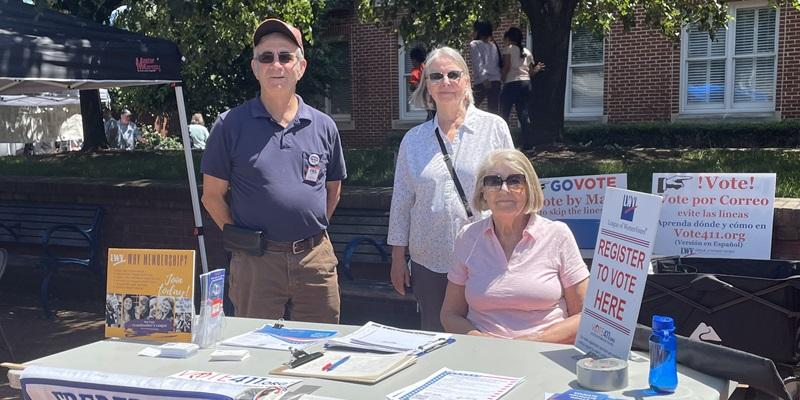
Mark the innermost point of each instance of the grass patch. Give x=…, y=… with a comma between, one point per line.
x=375, y=167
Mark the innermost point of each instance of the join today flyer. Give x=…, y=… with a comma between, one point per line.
x=149, y=294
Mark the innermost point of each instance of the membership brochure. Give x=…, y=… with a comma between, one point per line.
x=150, y=294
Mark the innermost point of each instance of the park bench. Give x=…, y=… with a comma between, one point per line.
x=359, y=238
x=54, y=235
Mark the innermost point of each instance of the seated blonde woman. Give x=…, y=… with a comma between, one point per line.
x=516, y=275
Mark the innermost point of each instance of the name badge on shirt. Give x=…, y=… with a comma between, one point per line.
x=312, y=173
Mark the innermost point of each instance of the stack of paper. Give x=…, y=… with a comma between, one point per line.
x=447, y=384
x=178, y=350
x=359, y=367
x=269, y=337
x=377, y=337
x=229, y=355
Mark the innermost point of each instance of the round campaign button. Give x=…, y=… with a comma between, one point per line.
x=313, y=159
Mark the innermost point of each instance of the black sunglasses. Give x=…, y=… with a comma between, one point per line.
x=268, y=57
x=437, y=77
x=513, y=182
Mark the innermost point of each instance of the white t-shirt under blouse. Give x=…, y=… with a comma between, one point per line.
x=519, y=67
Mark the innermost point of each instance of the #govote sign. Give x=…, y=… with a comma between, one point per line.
x=619, y=272
x=715, y=215
x=577, y=197
x=578, y=202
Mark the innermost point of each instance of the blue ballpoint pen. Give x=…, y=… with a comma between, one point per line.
x=338, y=363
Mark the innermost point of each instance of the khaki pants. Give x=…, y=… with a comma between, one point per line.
x=301, y=287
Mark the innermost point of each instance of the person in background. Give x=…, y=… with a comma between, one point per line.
x=518, y=68
x=486, y=63
x=417, y=56
x=110, y=128
x=516, y=275
x=426, y=211
x=198, y=132
x=128, y=132
x=161, y=125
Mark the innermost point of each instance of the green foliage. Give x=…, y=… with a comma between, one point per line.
x=697, y=135
x=215, y=39
x=153, y=141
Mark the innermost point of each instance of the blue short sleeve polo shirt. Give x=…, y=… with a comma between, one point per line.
x=267, y=167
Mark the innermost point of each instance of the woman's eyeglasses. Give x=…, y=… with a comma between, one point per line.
x=438, y=77
x=268, y=57
x=514, y=183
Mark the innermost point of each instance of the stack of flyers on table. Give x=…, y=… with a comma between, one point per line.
x=382, y=338
x=279, y=338
x=446, y=384
x=211, y=319
x=170, y=350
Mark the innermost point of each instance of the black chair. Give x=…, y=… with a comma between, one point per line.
x=727, y=363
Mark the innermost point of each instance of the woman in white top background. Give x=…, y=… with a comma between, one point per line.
x=426, y=212
x=518, y=68
x=486, y=63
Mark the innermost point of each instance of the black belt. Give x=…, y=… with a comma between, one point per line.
x=298, y=246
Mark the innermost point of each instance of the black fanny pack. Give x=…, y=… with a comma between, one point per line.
x=236, y=238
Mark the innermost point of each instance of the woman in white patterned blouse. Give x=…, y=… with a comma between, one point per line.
x=427, y=211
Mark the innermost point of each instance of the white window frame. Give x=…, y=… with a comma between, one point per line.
x=728, y=106
x=584, y=111
x=402, y=83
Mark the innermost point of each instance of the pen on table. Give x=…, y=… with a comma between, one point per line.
x=326, y=366
x=434, y=345
x=338, y=363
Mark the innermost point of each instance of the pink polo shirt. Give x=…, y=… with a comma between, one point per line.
x=524, y=295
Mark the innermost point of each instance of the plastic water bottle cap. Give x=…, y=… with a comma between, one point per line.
x=661, y=323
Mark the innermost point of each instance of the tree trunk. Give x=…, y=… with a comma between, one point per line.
x=550, y=22
x=94, y=136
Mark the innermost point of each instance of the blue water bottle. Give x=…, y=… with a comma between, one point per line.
x=663, y=346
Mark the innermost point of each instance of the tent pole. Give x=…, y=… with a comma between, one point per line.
x=187, y=152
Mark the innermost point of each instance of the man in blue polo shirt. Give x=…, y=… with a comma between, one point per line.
x=282, y=161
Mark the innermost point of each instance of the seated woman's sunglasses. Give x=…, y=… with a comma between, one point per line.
x=514, y=182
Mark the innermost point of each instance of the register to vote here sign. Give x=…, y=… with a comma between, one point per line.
x=715, y=215
x=619, y=272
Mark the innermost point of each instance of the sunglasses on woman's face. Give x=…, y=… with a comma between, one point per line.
x=514, y=183
x=438, y=77
x=268, y=57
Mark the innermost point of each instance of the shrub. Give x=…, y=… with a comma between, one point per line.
x=153, y=141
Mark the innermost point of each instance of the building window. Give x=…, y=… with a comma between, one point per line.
x=584, y=89
x=337, y=101
x=736, y=70
x=407, y=111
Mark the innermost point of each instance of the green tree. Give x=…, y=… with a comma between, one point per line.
x=215, y=40
x=450, y=21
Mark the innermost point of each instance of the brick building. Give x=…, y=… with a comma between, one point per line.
x=751, y=70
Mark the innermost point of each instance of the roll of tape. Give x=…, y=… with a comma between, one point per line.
x=603, y=375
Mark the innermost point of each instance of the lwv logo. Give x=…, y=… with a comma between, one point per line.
x=628, y=207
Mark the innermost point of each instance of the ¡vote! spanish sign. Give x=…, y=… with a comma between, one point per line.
x=715, y=215
x=619, y=272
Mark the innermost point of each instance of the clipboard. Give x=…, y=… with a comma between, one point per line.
x=366, y=368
